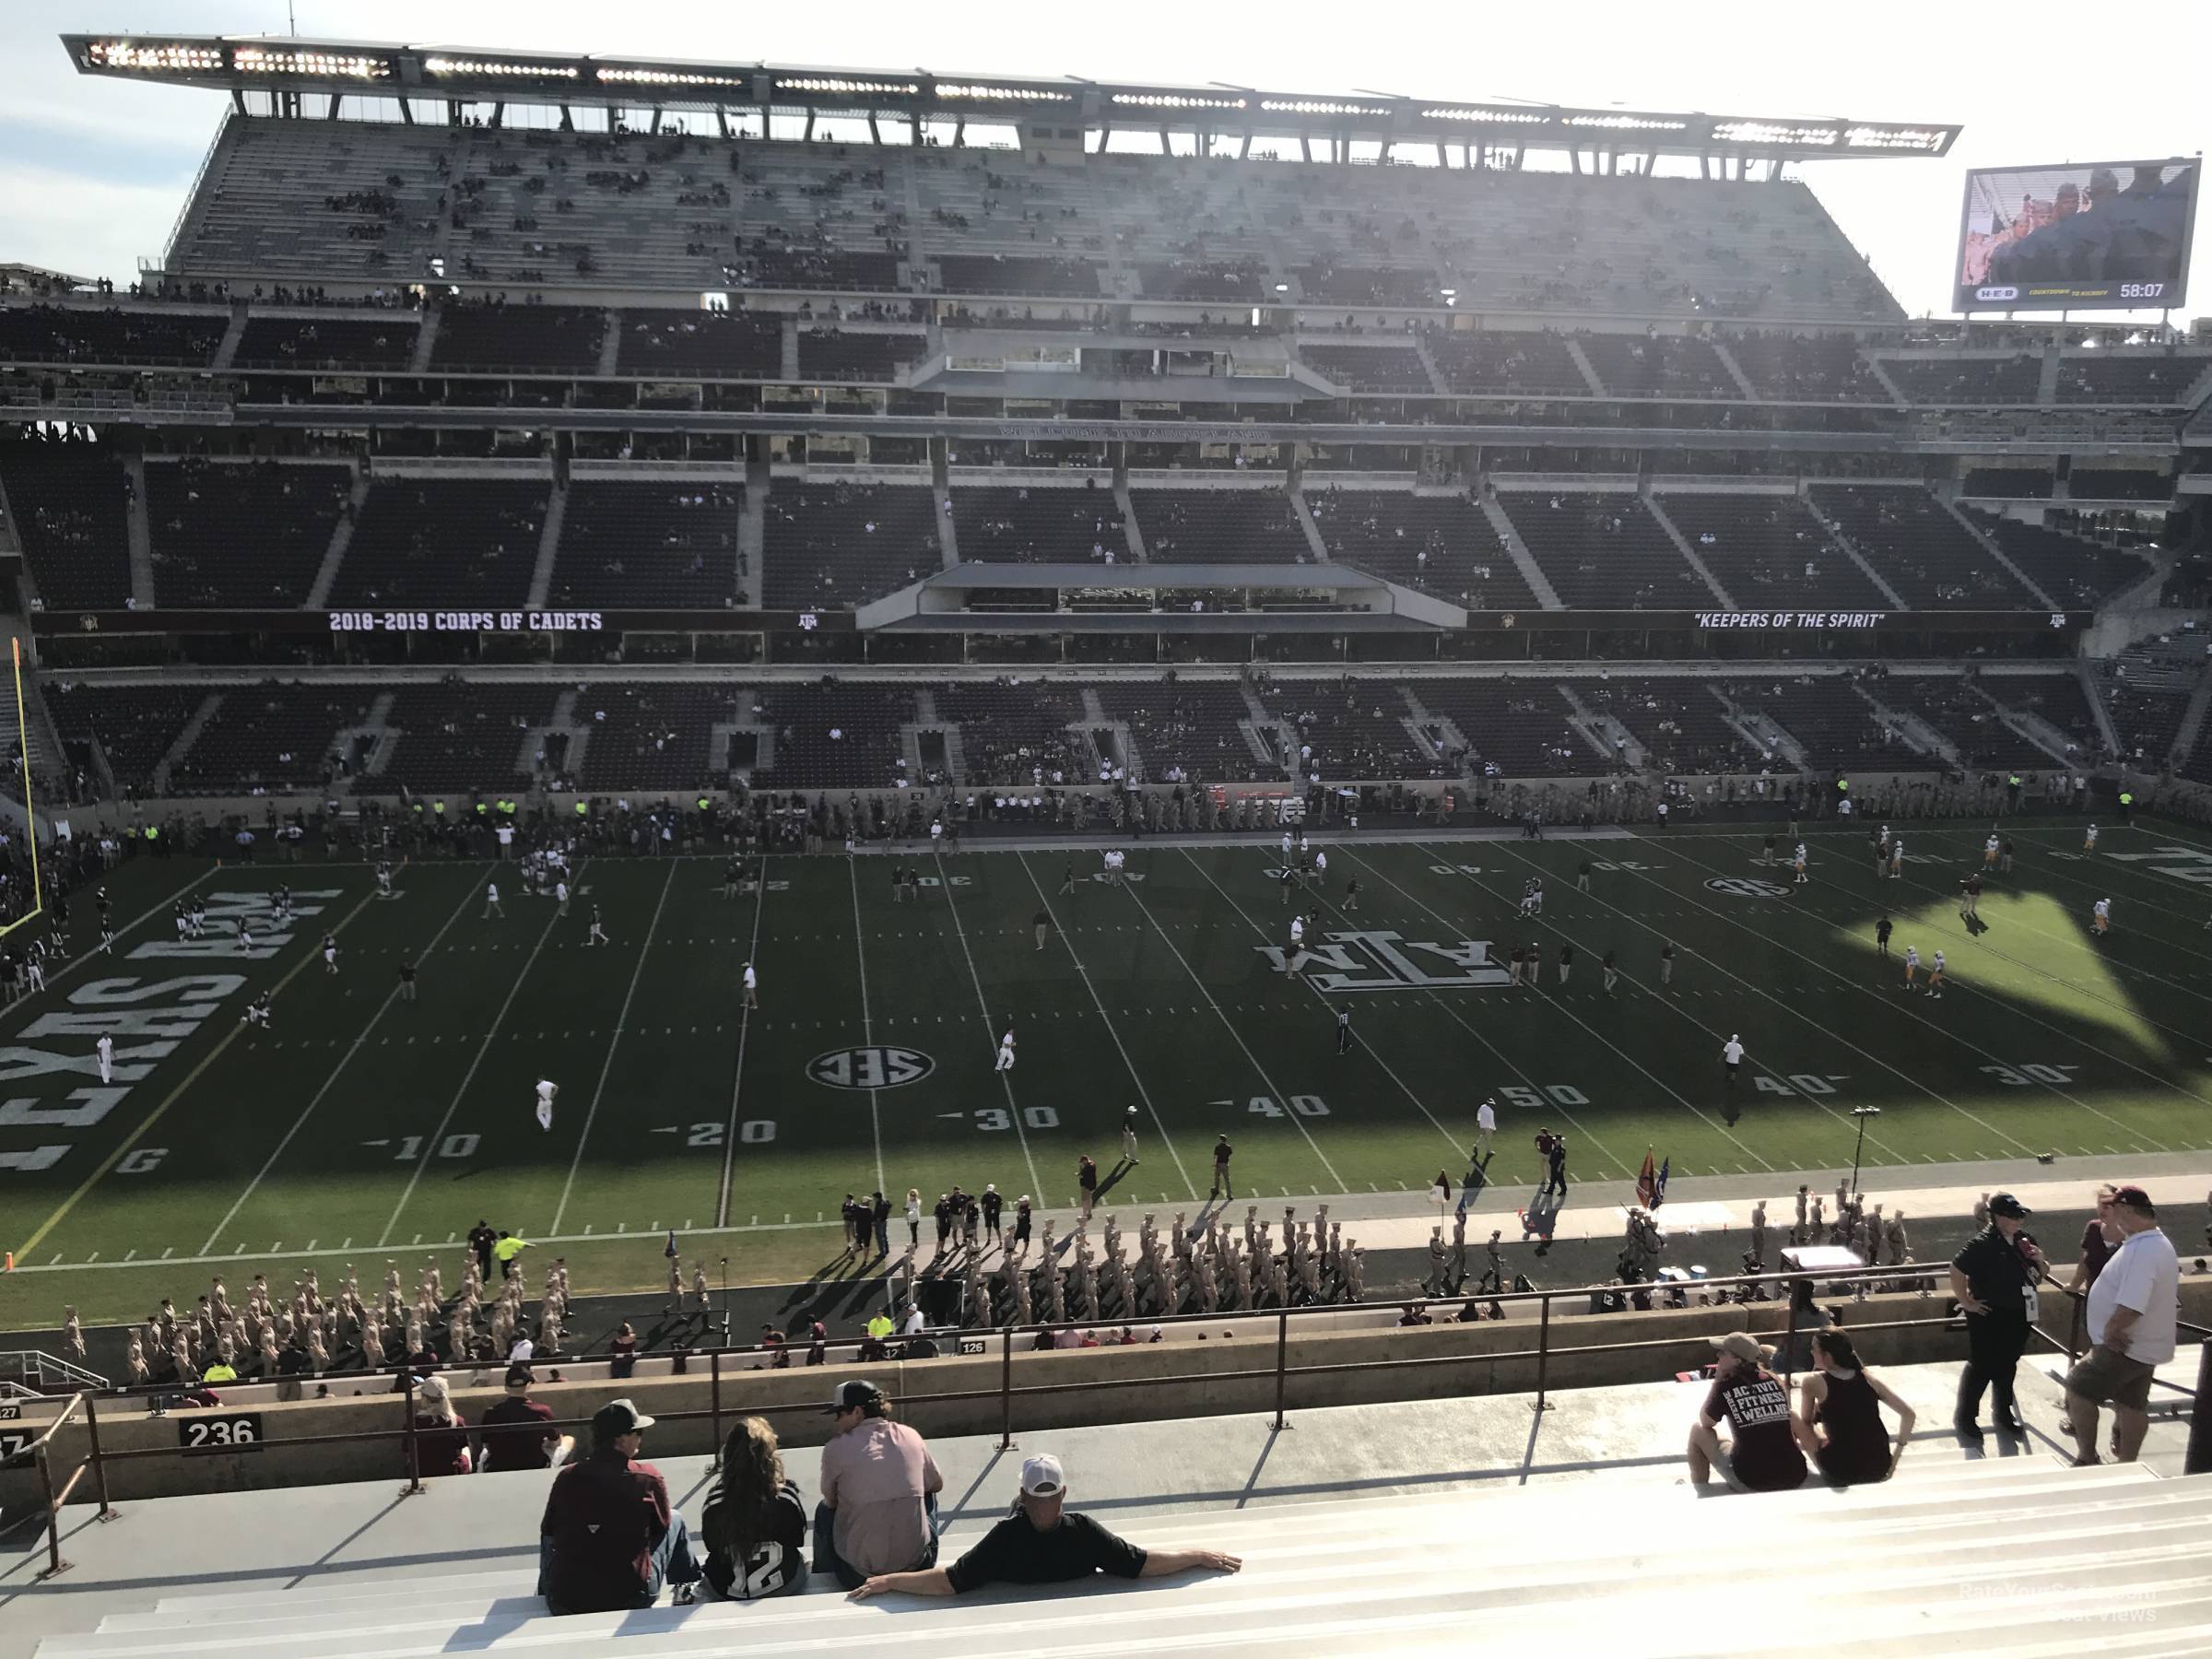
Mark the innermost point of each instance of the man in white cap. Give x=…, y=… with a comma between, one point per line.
x=1042, y=1542
x=1761, y=1452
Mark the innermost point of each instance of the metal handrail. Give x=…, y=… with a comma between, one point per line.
x=40, y=1451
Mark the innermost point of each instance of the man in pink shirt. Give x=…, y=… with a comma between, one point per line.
x=878, y=1511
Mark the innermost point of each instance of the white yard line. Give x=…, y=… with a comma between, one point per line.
x=745, y=1027
x=1437, y=916
x=429, y=1143
x=607, y=1069
x=867, y=1019
x=990, y=1035
x=1296, y=1120
x=308, y=1110
x=1458, y=1146
x=1127, y=1062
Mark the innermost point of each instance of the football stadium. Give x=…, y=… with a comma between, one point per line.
x=1610, y=905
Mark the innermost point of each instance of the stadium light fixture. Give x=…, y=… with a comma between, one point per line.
x=1769, y=132
x=476, y=66
x=841, y=86
x=1317, y=106
x=1509, y=117
x=1627, y=124
x=260, y=60
x=1169, y=101
x=965, y=89
x=130, y=55
x=665, y=77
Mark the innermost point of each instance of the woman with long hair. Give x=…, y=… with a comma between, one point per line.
x=755, y=1523
x=1839, y=1421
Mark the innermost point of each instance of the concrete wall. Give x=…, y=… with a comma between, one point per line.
x=1053, y=1390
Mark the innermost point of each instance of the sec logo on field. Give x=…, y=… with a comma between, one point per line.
x=873, y=1067
x=1746, y=886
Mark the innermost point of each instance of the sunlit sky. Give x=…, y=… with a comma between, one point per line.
x=93, y=172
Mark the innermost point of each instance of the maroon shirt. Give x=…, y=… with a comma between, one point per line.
x=514, y=1436
x=2095, y=1253
x=603, y=1518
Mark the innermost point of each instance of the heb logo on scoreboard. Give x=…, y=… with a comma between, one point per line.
x=1990, y=295
x=1377, y=960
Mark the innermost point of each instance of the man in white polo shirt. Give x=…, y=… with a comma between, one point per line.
x=2132, y=1308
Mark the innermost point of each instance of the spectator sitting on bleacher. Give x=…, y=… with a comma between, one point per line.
x=1041, y=1543
x=610, y=1538
x=518, y=1432
x=1761, y=1454
x=878, y=1511
x=441, y=1437
x=1839, y=1421
x=755, y=1523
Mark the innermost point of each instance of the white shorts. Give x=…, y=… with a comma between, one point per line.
x=544, y=1114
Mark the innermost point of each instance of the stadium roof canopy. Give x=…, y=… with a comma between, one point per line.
x=284, y=68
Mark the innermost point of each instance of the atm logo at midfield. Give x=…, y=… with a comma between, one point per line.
x=1377, y=960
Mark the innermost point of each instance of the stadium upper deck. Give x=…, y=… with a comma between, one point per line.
x=609, y=175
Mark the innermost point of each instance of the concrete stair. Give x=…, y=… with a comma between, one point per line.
x=226, y=353
x=1562, y=1568
x=141, y=534
x=1524, y=562
x=341, y=537
x=1895, y=600
x=1736, y=370
x=1134, y=536
x=1689, y=554
x=1581, y=361
x=2046, y=380
x=1965, y=522
x=186, y=739
x=426, y=339
x=548, y=545
x=1313, y=530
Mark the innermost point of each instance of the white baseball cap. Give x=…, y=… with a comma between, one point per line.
x=1041, y=1477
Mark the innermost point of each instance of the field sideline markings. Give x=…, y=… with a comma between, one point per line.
x=430, y=1141
x=1369, y=1049
x=1919, y=1018
x=989, y=1034
x=1147, y=1094
x=1435, y=914
x=744, y=1028
x=1803, y=1017
x=1297, y=1120
x=614, y=1044
x=867, y=1021
x=189, y=1078
x=308, y=1110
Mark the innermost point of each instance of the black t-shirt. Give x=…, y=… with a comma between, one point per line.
x=1997, y=1273
x=1014, y=1552
x=775, y=1565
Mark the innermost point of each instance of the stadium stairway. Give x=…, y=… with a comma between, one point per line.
x=1524, y=562
x=1367, y=1529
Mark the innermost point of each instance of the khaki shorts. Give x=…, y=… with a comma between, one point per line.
x=2111, y=1379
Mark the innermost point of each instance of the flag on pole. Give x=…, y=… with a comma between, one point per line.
x=1647, y=1184
x=1659, y=1191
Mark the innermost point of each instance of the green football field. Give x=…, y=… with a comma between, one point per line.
x=363, y=1129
